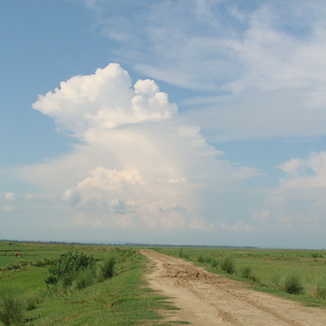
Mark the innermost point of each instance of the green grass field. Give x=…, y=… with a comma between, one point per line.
x=123, y=299
x=87, y=298
x=267, y=270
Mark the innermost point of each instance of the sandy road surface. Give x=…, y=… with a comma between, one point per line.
x=206, y=299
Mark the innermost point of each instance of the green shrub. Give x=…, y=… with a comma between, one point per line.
x=214, y=262
x=227, y=265
x=316, y=255
x=246, y=272
x=11, y=308
x=42, y=262
x=289, y=284
x=317, y=289
x=67, y=265
x=107, y=269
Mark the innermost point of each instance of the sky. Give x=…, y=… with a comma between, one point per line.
x=198, y=122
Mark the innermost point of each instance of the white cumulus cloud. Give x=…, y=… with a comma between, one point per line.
x=136, y=163
x=307, y=173
x=104, y=100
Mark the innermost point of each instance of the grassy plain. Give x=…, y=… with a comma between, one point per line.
x=267, y=269
x=125, y=299
x=121, y=300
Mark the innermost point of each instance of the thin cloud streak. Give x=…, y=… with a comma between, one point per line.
x=260, y=66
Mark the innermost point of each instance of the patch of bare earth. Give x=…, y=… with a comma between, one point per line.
x=206, y=299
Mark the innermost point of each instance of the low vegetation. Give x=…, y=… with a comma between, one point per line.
x=76, y=285
x=12, y=310
x=289, y=284
x=64, y=284
x=227, y=265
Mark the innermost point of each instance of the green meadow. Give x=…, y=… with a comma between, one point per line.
x=106, y=287
x=295, y=274
x=66, y=284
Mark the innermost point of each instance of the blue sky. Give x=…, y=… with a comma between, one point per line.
x=181, y=122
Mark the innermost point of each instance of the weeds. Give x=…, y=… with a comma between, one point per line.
x=107, y=269
x=317, y=289
x=85, y=278
x=289, y=284
x=227, y=265
x=12, y=310
x=316, y=255
x=43, y=262
x=246, y=272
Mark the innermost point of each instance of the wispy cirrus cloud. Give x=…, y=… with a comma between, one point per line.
x=220, y=43
x=260, y=65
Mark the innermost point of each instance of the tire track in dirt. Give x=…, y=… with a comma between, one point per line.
x=208, y=299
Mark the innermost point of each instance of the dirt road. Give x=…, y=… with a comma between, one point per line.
x=206, y=299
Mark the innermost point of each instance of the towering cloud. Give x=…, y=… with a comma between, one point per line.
x=136, y=163
x=104, y=100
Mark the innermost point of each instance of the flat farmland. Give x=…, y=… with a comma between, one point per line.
x=76, y=284
x=65, y=284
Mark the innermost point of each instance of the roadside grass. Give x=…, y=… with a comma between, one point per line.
x=112, y=293
x=295, y=274
x=122, y=300
x=317, y=289
x=11, y=308
x=227, y=265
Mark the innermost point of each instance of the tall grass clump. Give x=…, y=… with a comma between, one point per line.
x=107, y=269
x=289, y=284
x=85, y=278
x=227, y=265
x=12, y=310
x=246, y=272
x=317, y=289
x=214, y=262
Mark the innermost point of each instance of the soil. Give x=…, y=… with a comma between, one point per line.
x=206, y=299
